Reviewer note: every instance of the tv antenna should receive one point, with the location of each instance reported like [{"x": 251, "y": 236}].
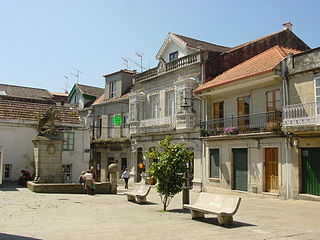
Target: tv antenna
[
  {"x": 140, "y": 55},
  {"x": 126, "y": 63},
  {"x": 67, "y": 85},
  {"x": 77, "y": 74}
]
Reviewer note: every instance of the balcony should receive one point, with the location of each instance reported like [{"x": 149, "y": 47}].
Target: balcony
[
  {"x": 253, "y": 123},
  {"x": 112, "y": 134},
  {"x": 170, "y": 66},
  {"x": 153, "y": 125},
  {"x": 301, "y": 115}
]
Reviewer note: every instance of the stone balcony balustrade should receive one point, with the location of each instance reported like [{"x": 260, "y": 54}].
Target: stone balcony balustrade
[
  {"x": 301, "y": 115},
  {"x": 170, "y": 66}
]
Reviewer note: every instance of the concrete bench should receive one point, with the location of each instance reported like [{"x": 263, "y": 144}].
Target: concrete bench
[
  {"x": 140, "y": 193},
  {"x": 224, "y": 206}
]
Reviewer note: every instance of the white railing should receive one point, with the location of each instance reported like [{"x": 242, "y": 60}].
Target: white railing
[
  {"x": 301, "y": 114},
  {"x": 153, "y": 125},
  {"x": 154, "y": 122}
]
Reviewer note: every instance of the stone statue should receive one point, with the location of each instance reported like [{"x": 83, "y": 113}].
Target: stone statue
[{"x": 46, "y": 125}]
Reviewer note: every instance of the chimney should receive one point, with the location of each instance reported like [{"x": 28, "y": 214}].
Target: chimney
[{"x": 287, "y": 25}]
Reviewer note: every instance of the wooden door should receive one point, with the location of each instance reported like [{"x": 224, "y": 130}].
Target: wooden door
[
  {"x": 240, "y": 169},
  {"x": 271, "y": 170},
  {"x": 311, "y": 171}
]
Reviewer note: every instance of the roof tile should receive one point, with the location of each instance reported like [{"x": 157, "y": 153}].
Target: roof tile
[{"x": 259, "y": 64}]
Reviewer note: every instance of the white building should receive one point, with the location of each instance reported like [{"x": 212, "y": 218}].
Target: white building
[
  {"x": 20, "y": 110},
  {"x": 161, "y": 101}
]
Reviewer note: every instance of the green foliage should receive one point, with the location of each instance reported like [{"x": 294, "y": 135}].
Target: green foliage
[{"x": 172, "y": 163}]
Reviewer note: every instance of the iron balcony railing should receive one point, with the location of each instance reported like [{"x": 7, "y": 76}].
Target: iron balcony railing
[
  {"x": 172, "y": 65},
  {"x": 252, "y": 123},
  {"x": 301, "y": 114}
]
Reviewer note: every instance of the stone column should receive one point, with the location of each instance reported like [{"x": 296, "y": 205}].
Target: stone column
[
  {"x": 112, "y": 169},
  {"x": 48, "y": 159}
]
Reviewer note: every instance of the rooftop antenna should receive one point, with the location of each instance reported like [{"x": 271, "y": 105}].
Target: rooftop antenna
[
  {"x": 140, "y": 55},
  {"x": 139, "y": 65},
  {"x": 77, "y": 75},
  {"x": 67, "y": 85},
  {"x": 126, "y": 63}
]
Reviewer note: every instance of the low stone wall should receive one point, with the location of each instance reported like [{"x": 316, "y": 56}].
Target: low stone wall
[{"x": 100, "y": 187}]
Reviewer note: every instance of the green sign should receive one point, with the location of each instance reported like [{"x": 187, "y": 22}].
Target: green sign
[{"x": 117, "y": 120}]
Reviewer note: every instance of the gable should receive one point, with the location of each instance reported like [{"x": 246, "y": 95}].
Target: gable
[{"x": 170, "y": 45}]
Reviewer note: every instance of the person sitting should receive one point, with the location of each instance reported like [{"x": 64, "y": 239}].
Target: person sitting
[
  {"x": 89, "y": 181},
  {"x": 82, "y": 181},
  {"x": 26, "y": 176}
]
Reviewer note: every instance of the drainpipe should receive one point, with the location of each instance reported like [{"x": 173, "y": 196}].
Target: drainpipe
[{"x": 285, "y": 97}]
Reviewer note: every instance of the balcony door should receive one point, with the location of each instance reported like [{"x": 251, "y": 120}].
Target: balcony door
[
  {"x": 243, "y": 111},
  {"x": 154, "y": 104},
  {"x": 218, "y": 115}
]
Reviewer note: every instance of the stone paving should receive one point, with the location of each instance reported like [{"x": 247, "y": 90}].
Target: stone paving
[{"x": 26, "y": 216}]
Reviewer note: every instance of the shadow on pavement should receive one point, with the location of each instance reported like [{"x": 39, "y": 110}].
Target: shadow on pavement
[
  {"x": 179, "y": 210},
  {"x": 10, "y": 186},
  {"x": 214, "y": 221},
  {"x": 145, "y": 203},
  {"x": 4, "y": 236}
]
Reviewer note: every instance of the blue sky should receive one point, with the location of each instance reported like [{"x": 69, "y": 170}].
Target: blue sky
[{"x": 42, "y": 40}]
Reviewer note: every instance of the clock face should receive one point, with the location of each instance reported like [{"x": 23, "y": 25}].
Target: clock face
[{"x": 51, "y": 149}]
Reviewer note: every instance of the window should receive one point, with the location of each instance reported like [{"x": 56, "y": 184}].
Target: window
[
  {"x": 243, "y": 111},
  {"x": 68, "y": 141},
  {"x": 99, "y": 128},
  {"x": 66, "y": 172},
  {"x": 170, "y": 103},
  {"x": 7, "y": 171},
  {"x": 113, "y": 89},
  {"x": 273, "y": 100},
  {"x": 154, "y": 102},
  {"x": 217, "y": 115},
  {"x": 214, "y": 163},
  {"x": 173, "y": 56},
  {"x": 111, "y": 126}
]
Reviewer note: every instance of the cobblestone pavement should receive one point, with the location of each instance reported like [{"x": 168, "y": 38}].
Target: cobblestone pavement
[{"x": 26, "y": 215}]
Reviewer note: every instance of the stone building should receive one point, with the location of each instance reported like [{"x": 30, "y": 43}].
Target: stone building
[
  {"x": 243, "y": 146},
  {"x": 110, "y": 141},
  {"x": 301, "y": 121},
  {"x": 20, "y": 110},
  {"x": 162, "y": 104}
]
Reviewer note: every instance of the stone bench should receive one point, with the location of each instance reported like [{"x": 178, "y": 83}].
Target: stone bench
[
  {"x": 139, "y": 193},
  {"x": 224, "y": 206}
]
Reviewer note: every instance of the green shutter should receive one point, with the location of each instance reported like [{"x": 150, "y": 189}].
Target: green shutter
[
  {"x": 311, "y": 171},
  {"x": 240, "y": 169},
  {"x": 214, "y": 163}
]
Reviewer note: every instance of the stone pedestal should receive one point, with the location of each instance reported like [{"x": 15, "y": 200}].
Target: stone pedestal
[
  {"x": 112, "y": 169},
  {"x": 48, "y": 159}
]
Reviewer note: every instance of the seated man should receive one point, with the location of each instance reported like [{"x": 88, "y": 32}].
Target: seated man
[{"x": 26, "y": 176}]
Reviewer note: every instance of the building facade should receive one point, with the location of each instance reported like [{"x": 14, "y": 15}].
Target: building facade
[
  {"x": 110, "y": 141},
  {"x": 161, "y": 103},
  {"x": 301, "y": 123},
  {"x": 244, "y": 148}
]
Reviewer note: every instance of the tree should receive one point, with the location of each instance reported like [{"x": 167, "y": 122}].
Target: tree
[{"x": 172, "y": 163}]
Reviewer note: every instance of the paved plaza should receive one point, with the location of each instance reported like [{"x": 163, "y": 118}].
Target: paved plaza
[{"x": 26, "y": 215}]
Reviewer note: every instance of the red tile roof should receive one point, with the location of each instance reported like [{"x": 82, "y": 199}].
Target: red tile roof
[
  {"x": 13, "y": 108},
  {"x": 259, "y": 64},
  {"x": 123, "y": 70},
  {"x": 102, "y": 99}
]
